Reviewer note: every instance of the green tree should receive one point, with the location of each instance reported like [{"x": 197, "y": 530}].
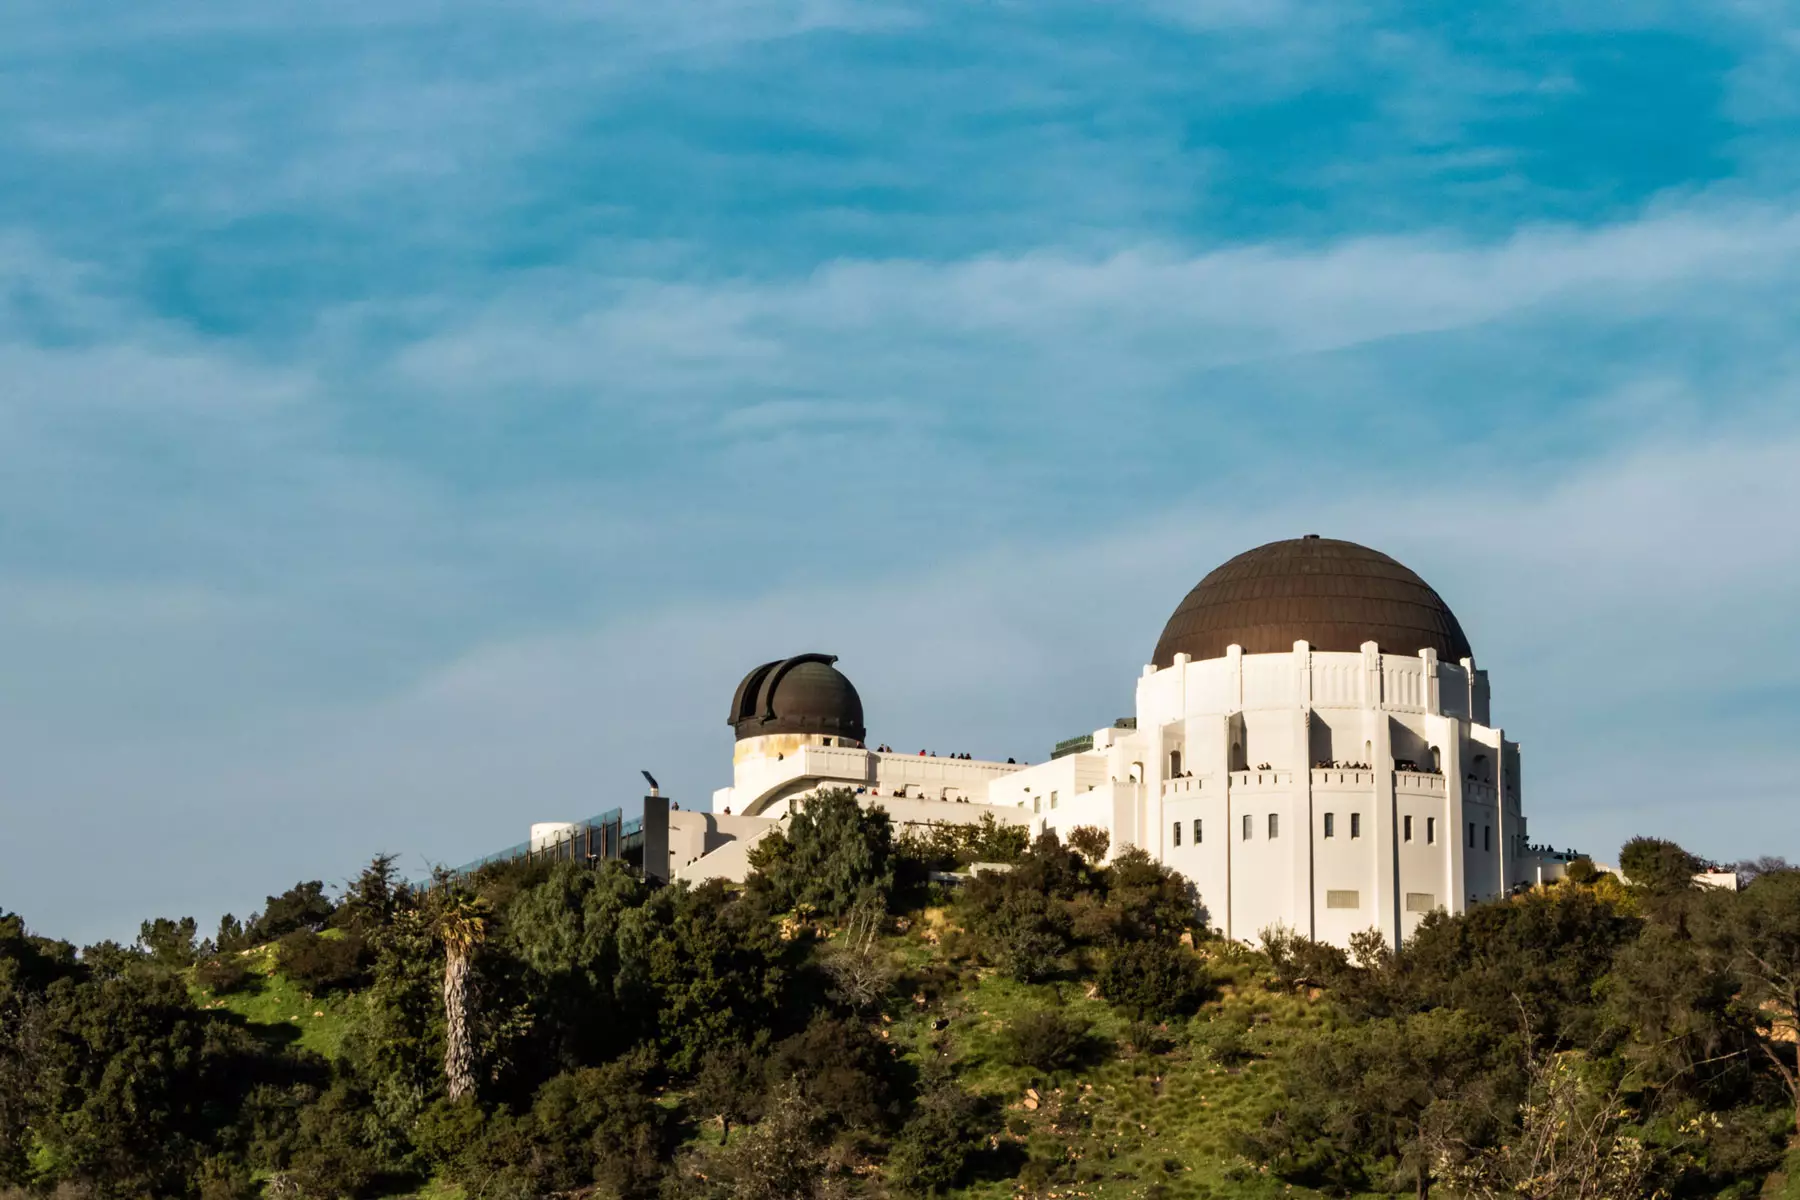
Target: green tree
[
  {"x": 1390, "y": 1102},
  {"x": 1757, "y": 931},
  {"x": 833, "y": 854},
  {"x": 1658, "y": 865},
  {"x": 168, "y": 943},
  {"x": 937, "y": 1148},
  {"x": 702, "y": 967},
  {"x": 1091, "y": 842},
  {"x": 303, "y": 906}
]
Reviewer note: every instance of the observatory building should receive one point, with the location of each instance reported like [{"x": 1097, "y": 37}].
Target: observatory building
[{"x": 1312, "y": 747}]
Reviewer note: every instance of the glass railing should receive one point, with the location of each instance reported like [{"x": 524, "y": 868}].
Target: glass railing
[{"x": 607, "y": 835}]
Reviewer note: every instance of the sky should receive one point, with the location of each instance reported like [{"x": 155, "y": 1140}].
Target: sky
[{"x": 416, "y": 417}]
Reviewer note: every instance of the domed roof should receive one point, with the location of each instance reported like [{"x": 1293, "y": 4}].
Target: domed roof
[
  {"x": 803, "y": 694},
  {"x": 1333, "y": 595}
]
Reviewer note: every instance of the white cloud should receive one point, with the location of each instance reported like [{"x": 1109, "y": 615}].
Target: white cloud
[{"x": 1168, "y": 311}]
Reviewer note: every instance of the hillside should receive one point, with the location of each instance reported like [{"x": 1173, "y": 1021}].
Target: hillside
[{"x": 840, "y": 1027}]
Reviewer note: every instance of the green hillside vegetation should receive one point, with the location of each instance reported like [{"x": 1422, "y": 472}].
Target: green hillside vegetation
[{"x": 841, "y": 1027}]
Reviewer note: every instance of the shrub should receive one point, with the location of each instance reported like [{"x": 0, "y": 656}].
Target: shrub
[
  {"x": 224, "y": 975},
  {"x": 1153, "y": 980},
  {"x": 334, "y": 1155},
  {"x": 323, "y": 964},
  {"x": 1047, "y": 1040},
  {"x": 840, "y": 1069},
  {"x": 937, "y": 1149}
]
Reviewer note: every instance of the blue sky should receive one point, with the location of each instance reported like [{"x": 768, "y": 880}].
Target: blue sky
[{"x": 417, "y": 416}]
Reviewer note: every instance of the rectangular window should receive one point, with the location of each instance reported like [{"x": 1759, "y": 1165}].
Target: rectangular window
[
  {"x": 1406, "y": 823},
  {"x": 1178, "y": 833},
  {"x": 1246, "y": 827},
  {"x": 1330, "y": 824},
  {"x": 1197, "y": 837},
  {"x": 1431, "y": 831},
  {"x": 1471, "y": 835},
  {"x": 1052, "y": 799},
  {"x": 1274, "y": 825},
  {"x": 1420, "y": 902},
  {"x": 1036, "y": 802},
  {"x": 1355, "y": 825},
  {"x": 1343, "y": 899},
  {"x": 1486, "y": 837}
]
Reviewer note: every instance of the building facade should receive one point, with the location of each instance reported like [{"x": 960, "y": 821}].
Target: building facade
[{"x": 1312, "y": 746}]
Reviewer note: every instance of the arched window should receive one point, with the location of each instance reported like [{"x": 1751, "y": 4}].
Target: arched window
[{"x": 1174, "y": 764}]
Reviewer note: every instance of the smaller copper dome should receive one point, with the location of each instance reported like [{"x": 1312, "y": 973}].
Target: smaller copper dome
[{"x": 803, "y": 694}]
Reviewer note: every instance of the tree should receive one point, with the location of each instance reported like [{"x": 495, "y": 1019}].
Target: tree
[
  {"x": 168, "y": 943},
  {"x": 1758, "y": 930},
  {"x": 376, "y": 894},
  {"x": 462, "y": 923},
  {"x": 937, "y": 1148},
  {"x": 1572, "y": 1141},
  {"x": 303, "y": 906},
  {"x": 779, "y": 1158},
  {"x": 833, "y": 855},
  {"x": 1391, "y": 1101},
  {"x": 1091, "y": 842},
  {"x": 728, "y": 1087},
  {"x": 1658, "y": 865}
]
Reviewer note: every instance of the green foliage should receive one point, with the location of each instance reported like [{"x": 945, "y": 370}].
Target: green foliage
[
  {"x": 833, "y": 855},
  {"x": 1048, "y": 1040},
  {"x": 303, "y": 906},
  {"x": 938, "y": 1147},
  {"x": 224, "y": 976},
  {"x": 780, "y": 1158},
  {"x": 598, "y": 1126},
  {"x": 1091, "y": 842},
  {"x": 1154, "y": 980},
  {"x": 375, "y": 897},
  {"x": 168, "y": 943},
  {"x": 707, "y": 967},
  {"x": 839, "y": 1068},
  {"x": 323, "y": 964},
  {"x": 1300, "y": 962},
  {"x": 948, "y": 847},
  {"x": 1391, "y": 1102},
  {"x": 702, "y": 1042},
  {"x": 1658, "y": 866}
]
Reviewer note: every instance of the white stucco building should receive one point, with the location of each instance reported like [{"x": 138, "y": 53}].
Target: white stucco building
[{"x": 1312, "y": 747}]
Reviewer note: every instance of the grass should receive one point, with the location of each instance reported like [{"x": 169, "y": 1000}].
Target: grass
[
  {"x": 278, "y": 1008},
  {"x": 1149, "y": 1125}
]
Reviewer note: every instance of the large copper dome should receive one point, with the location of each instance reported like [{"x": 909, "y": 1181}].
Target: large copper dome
[
  {"x": 1333, "y": 595},
  {"x": 803, "y": 694}
]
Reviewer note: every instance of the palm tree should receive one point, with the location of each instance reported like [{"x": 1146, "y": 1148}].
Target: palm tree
[{"x": 462, "y": 927}]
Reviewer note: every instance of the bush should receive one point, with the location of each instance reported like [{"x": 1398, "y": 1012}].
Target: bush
[
  {"x": 223, "y": 976},
  {"x": 334, "y": 1155},
  {"x": 937, "y": 1149},
  {"x": 587, "y": 1127},
  {"x": 840, "y": 1069},
  {"x": 1153, "y": 980},
  {"x": 323, "y": 964},
  {"x": 1046, "y": 1040}
]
